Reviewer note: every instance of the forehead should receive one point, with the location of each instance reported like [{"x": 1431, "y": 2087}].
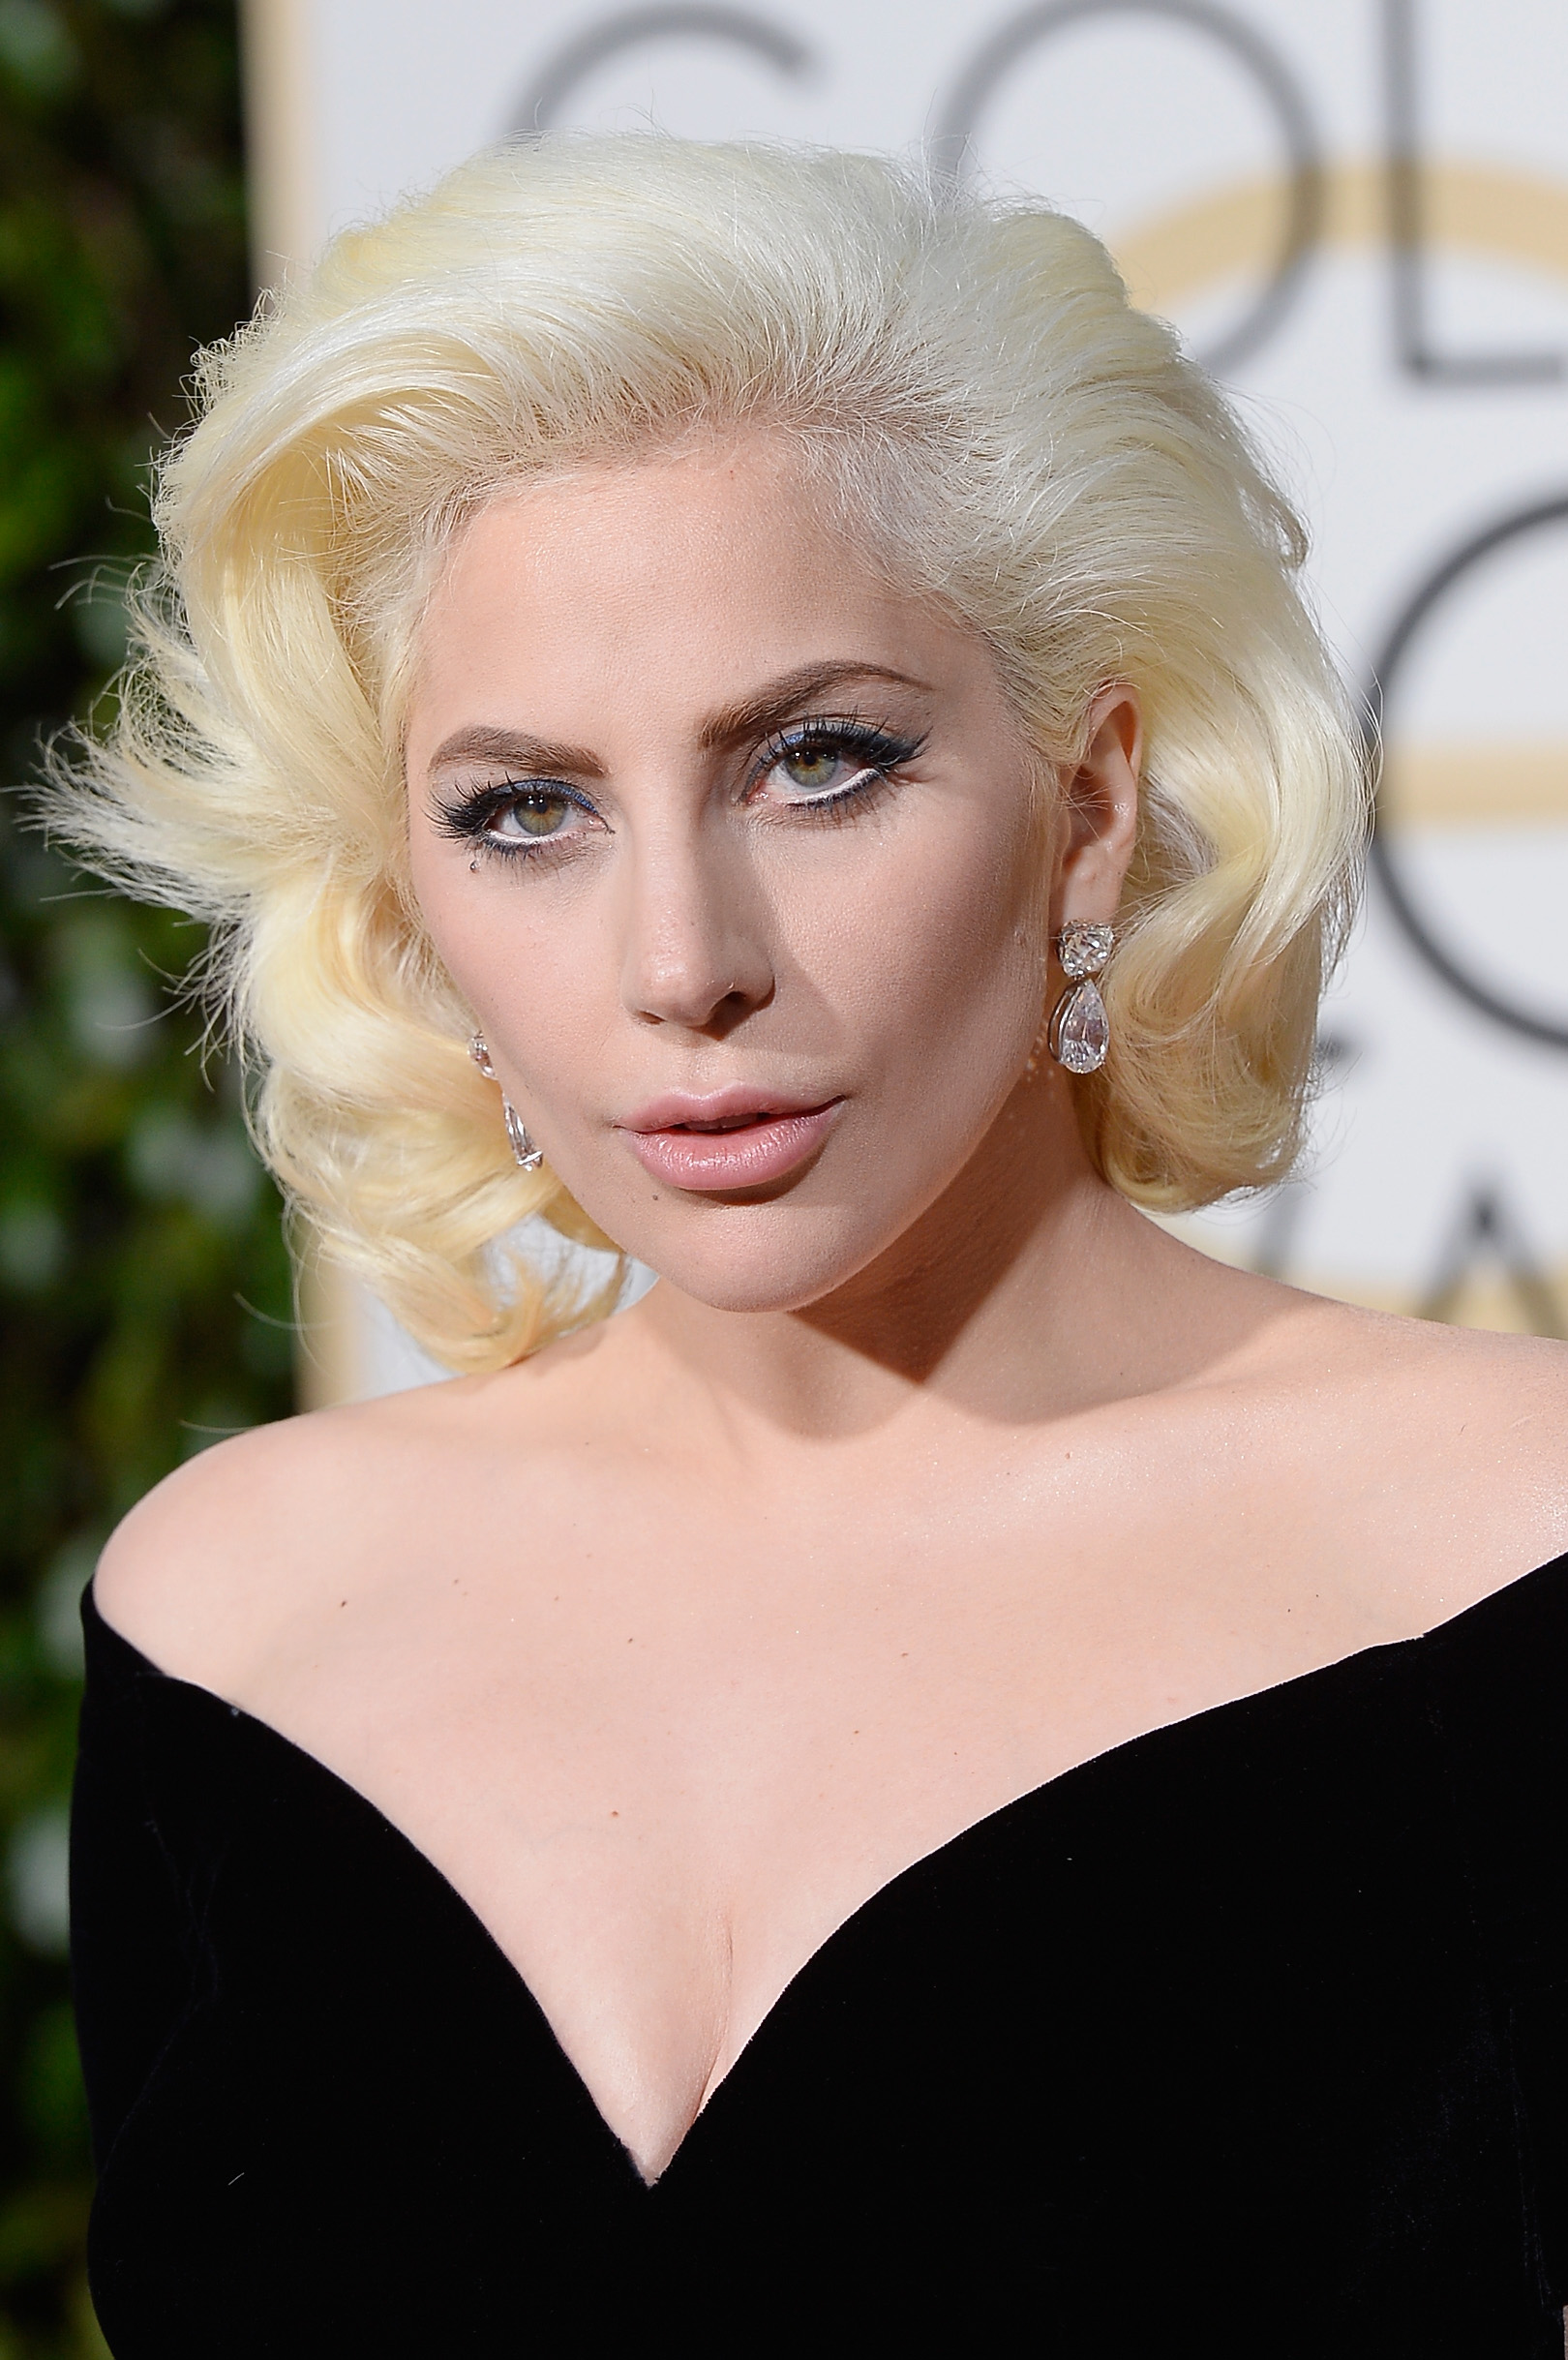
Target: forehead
[{"x": 691, "y": 575}]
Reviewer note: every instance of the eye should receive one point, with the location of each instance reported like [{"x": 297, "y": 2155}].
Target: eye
[
  {"x": 816, "y": 767},
  {"x": 827, "y": 764},
  {"x": 533, "y": 817},
  {"x": 520, "y": 819}
]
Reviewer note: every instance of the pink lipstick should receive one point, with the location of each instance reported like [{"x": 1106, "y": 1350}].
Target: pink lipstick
[{"x": 735, "y": 1138}]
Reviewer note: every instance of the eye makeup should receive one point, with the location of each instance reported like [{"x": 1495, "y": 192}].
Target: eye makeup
[
  {"x": 828, "y": 766},
  {"x": 518, "y": 818}
]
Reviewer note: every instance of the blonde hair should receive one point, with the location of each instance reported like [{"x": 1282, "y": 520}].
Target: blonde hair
[{"x": 968, "y": 378}]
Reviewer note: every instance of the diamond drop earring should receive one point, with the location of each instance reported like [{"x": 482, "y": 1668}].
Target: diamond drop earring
[
  {"x": 527, "y": 1155},
  {"x": 1079, "y": 1035}
]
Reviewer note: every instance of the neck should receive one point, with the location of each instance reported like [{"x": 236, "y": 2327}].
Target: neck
[{"x": 1011, "y": 1298}]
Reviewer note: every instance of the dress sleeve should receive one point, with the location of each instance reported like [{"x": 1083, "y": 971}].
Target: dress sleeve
[
  {"x": 1502, "y": 1698},
  {"x": 130, "y": 1956}
]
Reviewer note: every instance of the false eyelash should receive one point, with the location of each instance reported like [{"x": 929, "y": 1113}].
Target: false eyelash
[
  {"x": 469, "y": 819},
  {"x": 466, "y": 821},
  {"x": 878, "y": 749},
  {"x": 865, "y": 738}
]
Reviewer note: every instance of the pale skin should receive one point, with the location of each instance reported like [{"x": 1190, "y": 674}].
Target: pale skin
[{"x": 924, "y": 1473}]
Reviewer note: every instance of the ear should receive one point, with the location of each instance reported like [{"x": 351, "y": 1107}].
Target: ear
[{"x": 1100, "y": 805}]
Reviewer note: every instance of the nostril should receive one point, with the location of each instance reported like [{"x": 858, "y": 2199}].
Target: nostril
[{"x": 699, "y": 1006}]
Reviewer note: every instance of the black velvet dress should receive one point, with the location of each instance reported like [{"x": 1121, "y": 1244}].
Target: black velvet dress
[{"x": 1249, "y": 2037}]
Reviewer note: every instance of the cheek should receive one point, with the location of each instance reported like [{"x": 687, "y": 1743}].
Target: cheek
[
  {"x": 486, "y": 934},
  {"x": 437, "y": 874},
  {"x": 940, "y": 952},
  {"x": 914, "y": 969}
]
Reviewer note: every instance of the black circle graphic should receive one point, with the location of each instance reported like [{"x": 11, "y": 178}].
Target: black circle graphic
[
  {"x": 542, "y": 101},
  {"x": 952, "y": 141},
  {"x": 1416, "y": 926}
]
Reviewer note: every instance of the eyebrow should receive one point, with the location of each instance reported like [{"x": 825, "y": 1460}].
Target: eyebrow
[
  {"x": 754, "y": 716},
  {"x": 750, "y": 718},
  {"x": 538, "y": 756}
]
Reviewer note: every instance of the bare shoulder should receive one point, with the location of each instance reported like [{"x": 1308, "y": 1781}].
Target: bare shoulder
[
  {"x": 1414, "y": 1388},
  {"x": 231, "y": 1536},
  {"x": 1451, "y": 1443},
  {"x": 247, "y": 1539},
  {"x": 1458, "y": 1376}
]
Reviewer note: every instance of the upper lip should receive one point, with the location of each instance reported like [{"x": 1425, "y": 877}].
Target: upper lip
[{"x": 684, "y": 1110}]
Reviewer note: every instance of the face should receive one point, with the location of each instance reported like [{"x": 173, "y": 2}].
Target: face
[{"x": 735, "y": 853}]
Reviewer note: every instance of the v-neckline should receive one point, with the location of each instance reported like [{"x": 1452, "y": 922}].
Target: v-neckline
[{"x": 883, "y": 1896}]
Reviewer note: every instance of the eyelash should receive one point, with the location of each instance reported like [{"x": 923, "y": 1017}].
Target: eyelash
[
  {"x": 470, "y": 820},
  {"x": 878, "y": 752}
]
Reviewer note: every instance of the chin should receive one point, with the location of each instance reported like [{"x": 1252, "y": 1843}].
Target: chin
[{"x": 760, "y": 1258}]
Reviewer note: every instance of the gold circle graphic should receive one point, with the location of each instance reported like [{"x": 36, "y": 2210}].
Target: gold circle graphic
[{"x": 1481, "y": 209}]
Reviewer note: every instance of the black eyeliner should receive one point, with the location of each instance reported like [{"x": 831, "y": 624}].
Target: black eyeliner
[
  {"x": 878, "y": 750},
  {"x": 864, "y": 738},
  {"x": 469, "y": 819}
]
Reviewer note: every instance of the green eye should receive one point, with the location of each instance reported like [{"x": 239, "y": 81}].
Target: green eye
[
  {"x": 811, "y": 767},
  {"x": 523, "y": 820},
  {"x": 539, "y": 815}
]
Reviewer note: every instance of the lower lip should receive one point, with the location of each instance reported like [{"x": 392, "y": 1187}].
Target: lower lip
[{"x": 748, "y": 1158}]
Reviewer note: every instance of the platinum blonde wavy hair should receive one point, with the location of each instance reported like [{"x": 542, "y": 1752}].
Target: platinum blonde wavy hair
[{"x": 967, "y": 381}]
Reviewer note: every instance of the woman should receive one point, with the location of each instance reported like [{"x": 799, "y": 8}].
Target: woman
[{"x": 960, "y": 1777}]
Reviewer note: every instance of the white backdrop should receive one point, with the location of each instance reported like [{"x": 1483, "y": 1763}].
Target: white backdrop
[{"x": 1358, "y": 211}]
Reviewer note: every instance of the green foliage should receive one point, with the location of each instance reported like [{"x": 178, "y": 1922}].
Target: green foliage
[{"x": 144, "y": 1290}]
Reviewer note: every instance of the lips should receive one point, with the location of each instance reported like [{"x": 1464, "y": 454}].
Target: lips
[{"x": 735, "y": 1138}]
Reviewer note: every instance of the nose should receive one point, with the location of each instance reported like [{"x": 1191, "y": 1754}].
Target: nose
[{"x": 696, "y": 950}]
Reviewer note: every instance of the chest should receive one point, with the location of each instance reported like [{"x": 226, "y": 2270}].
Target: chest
[
  {"x": 663, "y": 1777},
  {"x": 1205, "y": 2021}
]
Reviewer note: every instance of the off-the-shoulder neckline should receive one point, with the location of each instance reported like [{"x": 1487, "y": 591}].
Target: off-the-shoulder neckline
[{"x": 991, "y": 1822}]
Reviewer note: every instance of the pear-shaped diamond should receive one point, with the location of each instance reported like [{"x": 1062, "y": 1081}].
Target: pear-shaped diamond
[{"x": 1080, "y": 1033}]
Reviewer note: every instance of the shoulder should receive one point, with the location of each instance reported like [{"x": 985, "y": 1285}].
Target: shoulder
[
  {"x": 1446, "y": 1449},
  {"x": 239, "y": 1551},
  {"x": 239, "y": 1541},
  {"x": 1454, "y": 1379},
  {"x": 1412, "y": 1389},
  {"x": 191, "y": 1572}
]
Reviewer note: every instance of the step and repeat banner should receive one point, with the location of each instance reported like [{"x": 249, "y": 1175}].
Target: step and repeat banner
[{"x": 1356, "y": 211}]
